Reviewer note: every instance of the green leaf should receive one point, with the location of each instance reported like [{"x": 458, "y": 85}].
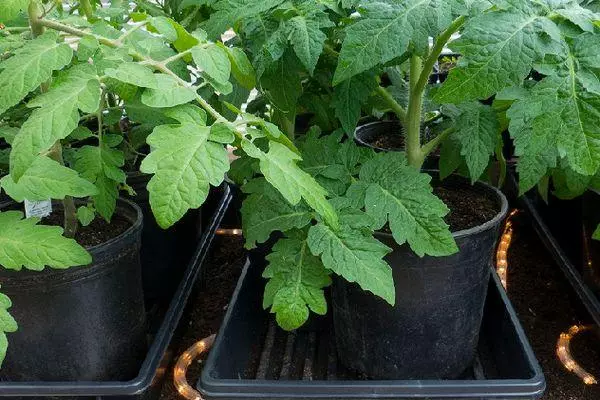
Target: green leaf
[
  {"x": 280, "y": 170},
  {"x": 101, "y": 165},
  {"x": 85, "y": 215},
  {"x": 7, "y": 322},
  {"x": 31, "y": 65},
  {"x": 265, "y": 211},
  {"x": 56, "y": 116},
  {"x": 8, "y": 133},
  {"x": 533, "y": 126},
  {"x": 281, "y": 83},
  {"x": 214, "y": 61},
  {"x": 402, "y": 196},
  {"x": 221, "y": 133},
  {"x": 184, "y": 164},
  {"x": 92, "y": 161},
  {"x": 478, "y": 135},
  {"x": 163, "y": 26},
  {"x": 187, "y": 114},
  {"x": 356, "y": 256},
  {"x": 105, "y": 201},
  {"x": 134, "y": 74},
  {"x": 596, "y": 234},
  {"x": 169, "y": 93},
  {"x": 385, "y": 30},
  {"x": 241, "y": 68},
  {"x": 23, "y": 243},
  {"x": 47, "y": 179},
  {"x": 349, "y": 96},
  {"x": 499, "y": 49},
  {"x": 228, "y": 12},
  {"x": 3, "y": 347},
  {"x": 307, "y": 40},
  {"x": 450, "y": 157},
  {"x": 87, "y": 47},
  {"x": 9, "y": 10},
  {"x": 296, "y": 282}
]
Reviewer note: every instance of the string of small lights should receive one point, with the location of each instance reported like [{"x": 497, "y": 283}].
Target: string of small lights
[
  {"x": 563, "y": 351},
  {"x": 502, "y": 252},
  {"x": 183, "y": 363}
]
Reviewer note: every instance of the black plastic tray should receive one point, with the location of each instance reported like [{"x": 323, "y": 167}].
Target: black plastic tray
[
  {"x": 159, "y": 356},
  {"x": 252, "y": 359},
  {"x": 587, "y": 296}
]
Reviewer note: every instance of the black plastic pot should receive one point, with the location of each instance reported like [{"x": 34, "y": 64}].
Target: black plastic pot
[
  {"x": 164, "y": 330},
  {"x": 366, "y": 135},
  {"x": 165, "y": 253},
  {"x": 82, "y": 322},
  {"x": 432, "y": 331},
  {"x": 253, "y": 359}
]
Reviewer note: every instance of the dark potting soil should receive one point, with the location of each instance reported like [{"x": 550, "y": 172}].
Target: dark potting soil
[
  {"x": 222, "y": 271},
  {"x": 468, "y": 208},
  {"x": 98, "y": 232},
  {"x": 547, "y": 306},
  {"x": 385, "y": 141}
]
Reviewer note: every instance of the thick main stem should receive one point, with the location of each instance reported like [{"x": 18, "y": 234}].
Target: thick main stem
[
  {"x": 412, "y": 124},
  {"x": 36, "y": 11}
]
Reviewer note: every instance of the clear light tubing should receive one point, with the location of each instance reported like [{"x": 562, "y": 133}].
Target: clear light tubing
[
  {"x": 183, "y": 363},
  {"x": 502, "y": 252},
  {"x": 563, "y": 351}
]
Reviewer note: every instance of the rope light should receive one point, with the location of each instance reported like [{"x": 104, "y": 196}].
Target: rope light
[
  {"x": 502, "y": 252},
  {"x": 563, "y": 351},
  {"x": 183, "y": 363}
]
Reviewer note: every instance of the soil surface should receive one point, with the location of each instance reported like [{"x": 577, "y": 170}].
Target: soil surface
[
  {"x": 468, "y": 208},
  {"x": 223, "y": 269},
  {"x": 388, "y": 142},
  {"x": 547, "y": 306},
  {"x": 98, "y": 232}
]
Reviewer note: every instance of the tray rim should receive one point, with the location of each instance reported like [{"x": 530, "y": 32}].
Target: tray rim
[{"x": 533, "y": 387}]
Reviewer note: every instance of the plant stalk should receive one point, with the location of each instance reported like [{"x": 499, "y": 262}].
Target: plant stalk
[
  {"x": 412, "y": 125},
  {"x": 71, "y": 224},
  {"x": 87, "y": 9},
  {"x": 36, "y": 11},
  {"x": 392, "y": 103},
  {"x": 436, "y": 51}
]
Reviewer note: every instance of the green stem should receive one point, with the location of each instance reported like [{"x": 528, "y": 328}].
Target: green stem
[
  {"x": 412, "y": 125},
  {"x": 69, "y": 210},
  {"x": 392, "y": 103},
  {"x": 436, "y": 141},
  {"x": 126, "y": 34},
  {"x": 36, "y": 11},
  {"x": 501, "y": 162},
  {"x": 76, "y": 32},
  {"x": 436, "y": 51},
  {"x": 87, "y": 9}
]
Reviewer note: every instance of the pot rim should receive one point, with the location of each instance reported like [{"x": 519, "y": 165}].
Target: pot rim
[
  {"x": 136, "y": 224},
  {"x": 362, "y": 142},
  {"x": 503, "y": 202}
]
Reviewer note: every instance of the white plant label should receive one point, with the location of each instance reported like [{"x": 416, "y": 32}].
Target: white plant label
[{"x": 39, "y": 209}]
